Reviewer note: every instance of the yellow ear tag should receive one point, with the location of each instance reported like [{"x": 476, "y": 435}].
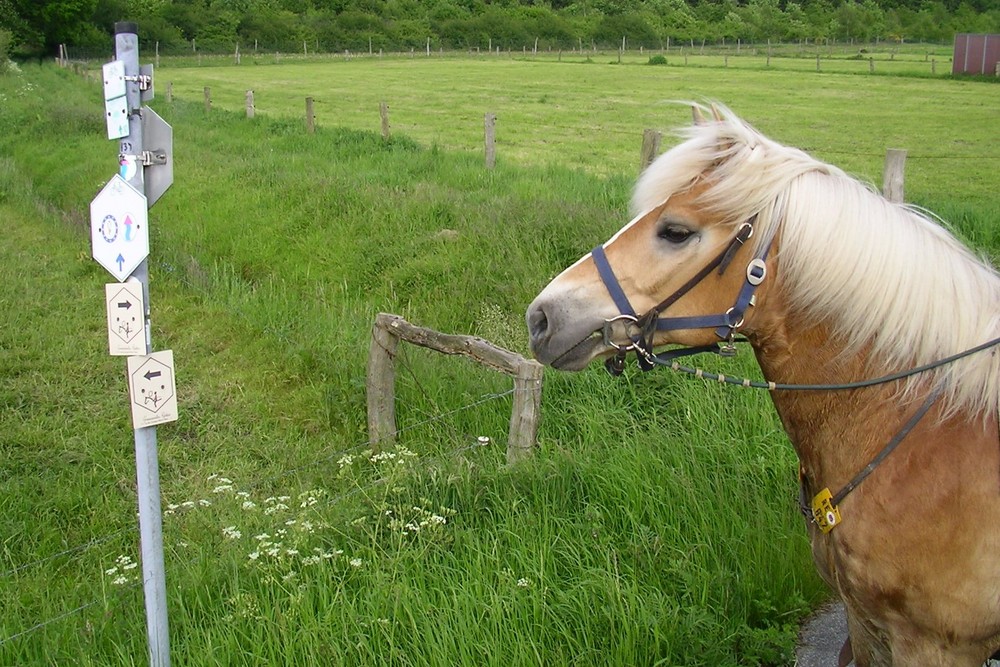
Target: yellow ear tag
[{"x": 825, "y": 513}]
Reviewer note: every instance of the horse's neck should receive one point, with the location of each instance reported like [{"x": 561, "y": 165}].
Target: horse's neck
[{"x": 835, "y": 433}]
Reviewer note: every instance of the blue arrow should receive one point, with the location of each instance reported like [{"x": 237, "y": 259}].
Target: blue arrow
[{"x": 121, "y": 261}]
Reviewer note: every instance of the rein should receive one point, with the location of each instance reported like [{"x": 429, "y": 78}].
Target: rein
[{"x": 823, "y": 509}]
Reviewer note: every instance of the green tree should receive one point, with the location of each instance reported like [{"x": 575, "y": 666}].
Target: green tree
[
  {"x": 40, "y": 27},
  {"x": 764, "y": 20}
]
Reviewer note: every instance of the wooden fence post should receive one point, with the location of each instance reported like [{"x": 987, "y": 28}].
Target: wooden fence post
[
  {"x": 383, "y": 112},
  {"x": 526, "y": 411},
  {"x": 310, "y": 116},
  {"x": 490, "y": 127},
  {"x": 381, "y": 383},
  {"x": 892, "y": 175},
  {"x": 389, "y": 329},
  {"x": 170, "y": 92},
  {"x": 251, "y": 109},
  {"x": 208, "y": 99},
  {"x": 650, "y": 148}
]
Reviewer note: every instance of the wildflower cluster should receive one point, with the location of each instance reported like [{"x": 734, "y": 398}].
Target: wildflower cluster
[{"x": 123, "y": 571}]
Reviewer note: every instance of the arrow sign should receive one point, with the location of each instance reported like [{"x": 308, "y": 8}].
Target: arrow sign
[
  {"x": 126, "y": 325},
  {"x": 119, "y": 228},
  {"x": 152, "y": 389}
]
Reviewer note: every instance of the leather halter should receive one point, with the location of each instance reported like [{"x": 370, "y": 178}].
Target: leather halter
[{"x": 640, "y": 329}]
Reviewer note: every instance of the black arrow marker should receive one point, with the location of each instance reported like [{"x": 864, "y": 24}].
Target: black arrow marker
[
  {"x": 125, "y": 304},
  {"x": 151, "y": 374}
]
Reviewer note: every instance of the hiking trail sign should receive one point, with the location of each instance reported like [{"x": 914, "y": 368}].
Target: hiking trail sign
[{"x": 119, "y": 228}]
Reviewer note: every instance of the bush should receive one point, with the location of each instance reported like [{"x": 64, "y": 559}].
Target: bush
[
  {"x": 6, "y": 41},
  {"x": 657, "y": 60}
]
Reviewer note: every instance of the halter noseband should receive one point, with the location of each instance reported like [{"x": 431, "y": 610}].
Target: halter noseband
[{"x": 640, "y": 329}]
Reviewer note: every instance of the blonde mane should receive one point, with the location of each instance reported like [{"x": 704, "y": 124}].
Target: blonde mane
[{"x": 882, "y": 275}]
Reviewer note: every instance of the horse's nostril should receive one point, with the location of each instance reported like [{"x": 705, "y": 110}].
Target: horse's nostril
[{"x": 538, "y": 322}]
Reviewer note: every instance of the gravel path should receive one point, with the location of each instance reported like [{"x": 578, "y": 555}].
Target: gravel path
[{"x": 822, "y": 636}]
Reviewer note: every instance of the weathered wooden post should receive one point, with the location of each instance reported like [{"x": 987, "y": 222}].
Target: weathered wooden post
[
  {"x": 650, "y": 148},
  {"x": 526, "y": 411},
  {"x": 170, "y": 92},
  {"x": 383, "y": 112},
  {"x": 892, "y": 174},
  {"x": 310, "y": 116},
  {"x": 381, "y": 383},
  {"x": 208, "y": 99},
  {"x": 251, "y": 109},
  {"x": 490, "y": 131}
]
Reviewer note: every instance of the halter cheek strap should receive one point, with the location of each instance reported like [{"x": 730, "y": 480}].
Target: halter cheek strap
[{"x": 640, "y": 329}]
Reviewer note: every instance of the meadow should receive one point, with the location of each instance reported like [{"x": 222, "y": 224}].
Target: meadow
[{"x": 656, "y": 524}]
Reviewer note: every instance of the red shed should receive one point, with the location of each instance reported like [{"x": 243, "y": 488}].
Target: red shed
[{"x": 976, "y": 54}]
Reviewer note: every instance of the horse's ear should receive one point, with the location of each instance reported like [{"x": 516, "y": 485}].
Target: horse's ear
[
  {"x": 699, "y": 117},
  {"x": 716, "y": 114}
]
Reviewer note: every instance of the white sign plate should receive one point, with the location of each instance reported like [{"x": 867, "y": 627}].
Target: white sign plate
[
  {"x": 126, "y": 319},
  {"x": 116, "y": 114},
  {"x": 114, "y": 79},
  {"x": 119, "y": 228},
  {"x": 152, "y": 389}
]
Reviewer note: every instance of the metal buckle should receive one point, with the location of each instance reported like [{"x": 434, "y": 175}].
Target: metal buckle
[
  {"x": 729, "y": 320},
  {"x": 756, "y": 277},
  {"x": 607, "y": 333},
  {"x": 747, "y": 225},
  {"x": 728, "y": 348}
]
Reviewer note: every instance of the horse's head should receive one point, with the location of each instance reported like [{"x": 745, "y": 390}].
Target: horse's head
[{"x": 683, "y": 271}]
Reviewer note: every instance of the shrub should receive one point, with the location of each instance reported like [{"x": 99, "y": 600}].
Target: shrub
[
  {"x": 657, "y": 60},
  {"x": 6, "y": 41}
]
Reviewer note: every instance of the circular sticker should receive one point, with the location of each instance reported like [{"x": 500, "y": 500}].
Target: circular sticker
[
  {"x": 127, "y": 167},
  {"x": 109, "y": 228}
]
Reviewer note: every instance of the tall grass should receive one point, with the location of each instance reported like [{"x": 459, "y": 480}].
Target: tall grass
[{"x": 656, "y": 524}]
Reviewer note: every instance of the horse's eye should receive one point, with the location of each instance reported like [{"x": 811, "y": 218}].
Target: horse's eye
[{"x": 675, "y": 233}]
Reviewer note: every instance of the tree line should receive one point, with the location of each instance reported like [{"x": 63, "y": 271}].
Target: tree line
[{"x": 37, "y": 27}]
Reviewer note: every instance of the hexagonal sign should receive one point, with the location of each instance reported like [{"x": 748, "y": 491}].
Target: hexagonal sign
[
  {"x": 126, "y": 319},
  {"x": 119, "y": 228},
  {"x": 152, "y": 389}
]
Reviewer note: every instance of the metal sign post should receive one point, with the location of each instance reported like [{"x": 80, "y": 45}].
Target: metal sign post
[{"x": 120, "y": 239}]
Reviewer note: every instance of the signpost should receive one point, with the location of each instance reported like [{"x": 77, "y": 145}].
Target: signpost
[{"x": 119, "y": 234}]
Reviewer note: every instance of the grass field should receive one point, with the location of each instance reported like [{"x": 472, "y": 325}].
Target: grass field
[
  {"x": 591, "y": 114},
  {"x": 657, "y": 522}
]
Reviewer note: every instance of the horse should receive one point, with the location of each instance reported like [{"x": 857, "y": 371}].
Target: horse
[{"x": 874, "y": 328}]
